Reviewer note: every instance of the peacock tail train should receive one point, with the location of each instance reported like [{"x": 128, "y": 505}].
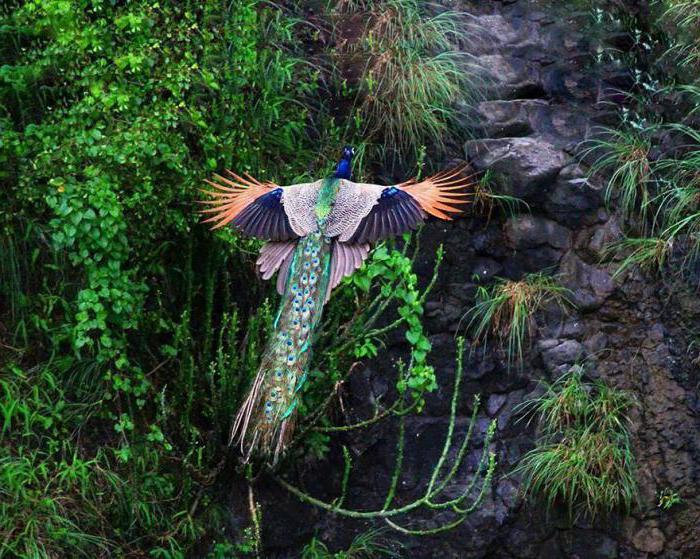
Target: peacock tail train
[{"x": 266, "y": 420}]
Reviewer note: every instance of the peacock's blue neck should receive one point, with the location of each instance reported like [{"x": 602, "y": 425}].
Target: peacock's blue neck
[{"x": 343, "y": 170}]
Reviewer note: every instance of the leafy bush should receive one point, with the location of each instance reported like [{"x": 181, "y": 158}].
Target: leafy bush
[
  {"x": 123, "y": 353},
  {"x": 583, "y": 459}
]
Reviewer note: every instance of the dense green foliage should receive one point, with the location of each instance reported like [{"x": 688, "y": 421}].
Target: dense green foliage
[
  {"x": 583, "y": 459},
  {"x": 122, "y": 351},
  {"x": 126, "y": 339}
]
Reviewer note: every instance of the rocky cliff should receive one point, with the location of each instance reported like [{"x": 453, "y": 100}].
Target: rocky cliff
[{"x": 547, "y": 95}]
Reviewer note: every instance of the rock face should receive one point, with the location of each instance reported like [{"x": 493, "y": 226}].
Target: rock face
[
  {"x": 543, "y": 101},
  {"x": 528, "y": 165}
]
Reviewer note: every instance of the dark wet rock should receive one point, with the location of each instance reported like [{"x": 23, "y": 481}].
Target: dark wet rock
[
  {"x": 573, "y": 199},
  {"x": 489, "y": 242},
  {"x": 496, "y": 31},
  {"x": 486, "y": 268},
  {"x": 526, "y": 165},
  {"x": 594, "y": 242},
  {"x": 559, "y": 355},
  {"x": 502, "y": 119},
  {"x": 590, "y": 543},
  {"x": 527, "y": 231},
  {"x": 510, "y": 78},
  {"x": 596, "y": 343},
  {"x": 495, "y": 403},
  {"x": 649, "y": 540},
  {"x": 589, "y": 285}
]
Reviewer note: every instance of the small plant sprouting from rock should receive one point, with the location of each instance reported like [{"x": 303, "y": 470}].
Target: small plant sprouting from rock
[
  {"x": 583, "y": 459},
  {"x": 438, "y": 496},
  {"x": 506, "y": 310},
  {"x": 486, "y": 200},
  {"x": 668, "y": 498}
]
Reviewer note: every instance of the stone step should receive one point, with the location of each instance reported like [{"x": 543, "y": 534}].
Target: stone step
[{"x": 524, "y": 165}]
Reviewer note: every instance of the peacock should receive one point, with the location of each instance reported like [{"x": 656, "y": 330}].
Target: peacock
[{"x": 317, "y": 233}]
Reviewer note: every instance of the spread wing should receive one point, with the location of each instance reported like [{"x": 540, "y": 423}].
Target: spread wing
[
  {"x": 261, "y": 209},
  {"x": 401, "y": 208}
]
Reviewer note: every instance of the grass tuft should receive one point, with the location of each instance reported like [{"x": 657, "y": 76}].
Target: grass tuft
[
  {"x": 412, "y": 77},
  {"x": 648, "y": 253},
  {"x": 367, "y": 545},
  {"x": 583, "y": 460},
  {"x": 506, "y": 310},
  {"x": 684, "y": 19},
  {"x": 623, "y": 156}
]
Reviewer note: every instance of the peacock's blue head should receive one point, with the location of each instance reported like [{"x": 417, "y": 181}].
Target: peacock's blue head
[{"x": 344, "y": 168}]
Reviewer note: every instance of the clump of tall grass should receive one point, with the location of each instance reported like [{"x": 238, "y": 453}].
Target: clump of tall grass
[
  {"x": 412, "y": 75},
  {"x": 679, "y": 203},
  {"x": 623, "y": 157},
  {"x": 583, "y": 460},
  {"x": 507, "y": 309},
  {"x": 650, "y": 254},
  {"x": 684, "y": 19},
  {"x": 485, "y": 200}
]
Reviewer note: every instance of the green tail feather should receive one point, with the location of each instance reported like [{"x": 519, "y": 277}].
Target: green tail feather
[{"x": 265, "y": 423}]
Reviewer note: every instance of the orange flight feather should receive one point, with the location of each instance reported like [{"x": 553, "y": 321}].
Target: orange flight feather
[
  {"x": 437, "y": 195},
  {"x": 230, "y": 197}
]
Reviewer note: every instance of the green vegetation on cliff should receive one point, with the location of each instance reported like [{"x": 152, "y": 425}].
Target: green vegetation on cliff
[{"x": 126, "y": 339}]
